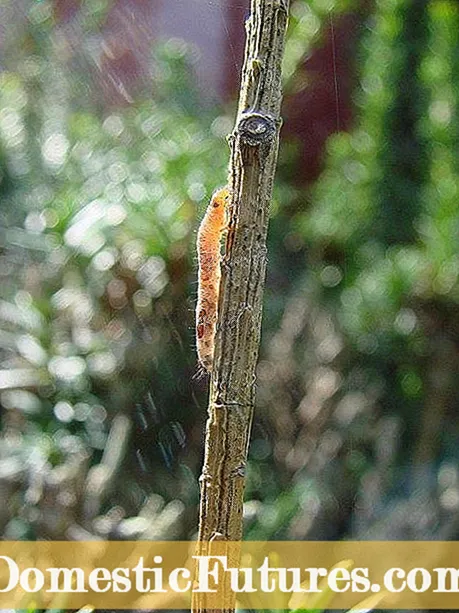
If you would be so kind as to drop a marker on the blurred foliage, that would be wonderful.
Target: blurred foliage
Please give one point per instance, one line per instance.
(98, 220)
(367, 370)
(385, 216)
(356, 432)
(307, 21)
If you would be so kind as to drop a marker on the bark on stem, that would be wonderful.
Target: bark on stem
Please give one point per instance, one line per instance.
(254, 145)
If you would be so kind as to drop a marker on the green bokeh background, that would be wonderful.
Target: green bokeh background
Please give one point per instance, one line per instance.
(356, 431)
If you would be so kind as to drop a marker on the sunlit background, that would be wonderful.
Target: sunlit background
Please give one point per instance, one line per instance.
(113, 118)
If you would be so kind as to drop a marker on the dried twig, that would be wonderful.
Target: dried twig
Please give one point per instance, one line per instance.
(254, 145)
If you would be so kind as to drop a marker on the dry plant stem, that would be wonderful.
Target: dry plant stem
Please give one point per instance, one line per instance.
(254, 145)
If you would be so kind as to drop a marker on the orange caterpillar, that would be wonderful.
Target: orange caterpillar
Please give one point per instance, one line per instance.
(210, 231)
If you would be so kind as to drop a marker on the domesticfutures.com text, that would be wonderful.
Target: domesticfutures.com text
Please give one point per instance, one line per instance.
(212, 571)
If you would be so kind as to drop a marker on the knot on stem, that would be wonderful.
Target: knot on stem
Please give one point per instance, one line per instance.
(256, 128)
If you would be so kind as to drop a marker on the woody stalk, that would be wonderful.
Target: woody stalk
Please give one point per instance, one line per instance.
(254, 146)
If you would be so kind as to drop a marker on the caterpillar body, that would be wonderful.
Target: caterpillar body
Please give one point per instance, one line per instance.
(210, 232)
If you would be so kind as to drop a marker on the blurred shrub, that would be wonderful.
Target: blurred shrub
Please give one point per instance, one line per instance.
(98, 217)
(357, 381)
(383, 213)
